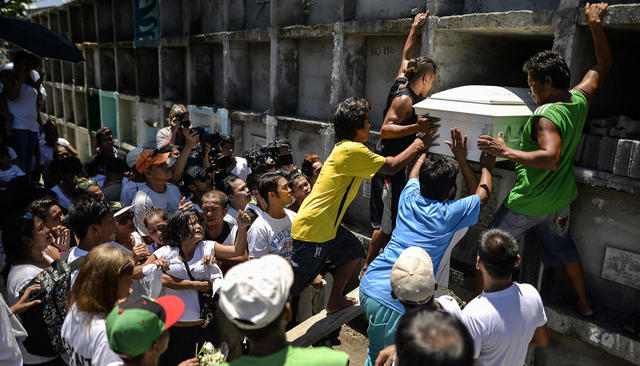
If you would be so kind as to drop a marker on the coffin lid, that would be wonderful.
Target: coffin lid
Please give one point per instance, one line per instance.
(480, 99)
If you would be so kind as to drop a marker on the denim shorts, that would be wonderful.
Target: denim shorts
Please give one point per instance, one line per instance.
(309, 258)
(557, 246)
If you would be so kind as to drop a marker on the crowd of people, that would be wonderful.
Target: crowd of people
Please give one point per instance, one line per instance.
(137, 259)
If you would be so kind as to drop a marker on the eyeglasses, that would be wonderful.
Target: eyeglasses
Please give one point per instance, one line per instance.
(84, 184)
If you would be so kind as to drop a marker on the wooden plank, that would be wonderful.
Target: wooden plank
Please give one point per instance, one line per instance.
(321, 324)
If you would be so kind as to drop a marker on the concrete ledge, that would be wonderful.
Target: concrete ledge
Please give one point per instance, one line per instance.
(321, 324)
(307, 31)
(307, 126)
(613, 341)
(521, 22)
(379, 27)
(597, 178)
(618, 15)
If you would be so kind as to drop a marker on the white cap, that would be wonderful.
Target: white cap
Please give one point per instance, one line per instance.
(132, 156)
(254, 293)
(412, 278)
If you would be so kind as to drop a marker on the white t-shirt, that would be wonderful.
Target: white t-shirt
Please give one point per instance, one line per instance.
(63, 199)
(502, 324)
(19, 276)
(241, 170)
(199, 271)
(129, 190)
(146, 198)
(85, 339)
(9, 174)
(75, 253)
(24, 108)
(10, 330)
(271, 236)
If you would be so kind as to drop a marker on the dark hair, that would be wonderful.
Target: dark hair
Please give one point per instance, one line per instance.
(15, 227)
(115, 166)
(155, 211)
(41, 207)
(226, 139)
(269, 183)
(549, 63)
(223, 198)
(437, 175)
(95, 165)
(350, 116)
(226, 184)
(87, 210)
(253, 180)
(436, 338)
(307, 164)
(417, 67)
(178, 227)
(295, 174)
(267, 330)
(4, 151)
(498, 251)
(24, 56)
(71, 166)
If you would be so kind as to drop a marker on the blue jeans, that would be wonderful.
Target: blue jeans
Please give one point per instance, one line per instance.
(383, 323)
(24, 143)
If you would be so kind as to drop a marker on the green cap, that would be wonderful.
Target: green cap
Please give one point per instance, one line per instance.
(134, 325)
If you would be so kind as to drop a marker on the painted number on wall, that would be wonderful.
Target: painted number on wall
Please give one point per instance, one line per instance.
(383, 50)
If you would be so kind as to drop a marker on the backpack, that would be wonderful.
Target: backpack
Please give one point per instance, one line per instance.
(43, 321)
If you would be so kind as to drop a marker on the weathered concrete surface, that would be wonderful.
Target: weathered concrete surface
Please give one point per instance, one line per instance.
(486, 6)
(383, 57)
(172, 63)
(259, 72)
(522, 22)
(382, 9)
(314, 85)
(237, 81)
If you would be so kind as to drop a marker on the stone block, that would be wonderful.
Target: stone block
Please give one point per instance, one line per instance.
(599, 131)
(607, 153)
(589, 156)
(632, 127)
(623, 156)
(634, 161)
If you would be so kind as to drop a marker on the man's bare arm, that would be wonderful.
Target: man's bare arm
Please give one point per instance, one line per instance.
(410, 44)
(540, 337)
(596, 76)
(548, 157)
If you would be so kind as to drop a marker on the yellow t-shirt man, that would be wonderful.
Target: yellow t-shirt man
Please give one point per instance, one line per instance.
(321, 212)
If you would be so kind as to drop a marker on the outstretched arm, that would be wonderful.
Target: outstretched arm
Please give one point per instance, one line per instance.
(458, 145)
(595, 77)
(410, 44)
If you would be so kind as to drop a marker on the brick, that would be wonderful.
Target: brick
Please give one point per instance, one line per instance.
(589, 156)
(607, 153)
(634, 162)
(623, 156)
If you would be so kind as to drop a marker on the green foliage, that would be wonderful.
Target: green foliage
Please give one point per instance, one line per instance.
(13, 8)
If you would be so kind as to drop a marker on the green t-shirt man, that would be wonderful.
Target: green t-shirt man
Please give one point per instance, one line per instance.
(294, 356)
(539, 192)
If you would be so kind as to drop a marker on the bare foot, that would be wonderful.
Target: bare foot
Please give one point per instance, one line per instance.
(344, 302)
(583, 307)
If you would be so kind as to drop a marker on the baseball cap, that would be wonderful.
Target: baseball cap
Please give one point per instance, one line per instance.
(412, 279)
(102, 131)
(132, 155)
(118, 208)
(150, 157)
(134, 325)
(255, 292)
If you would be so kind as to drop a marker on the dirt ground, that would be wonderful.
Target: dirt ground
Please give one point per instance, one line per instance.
(353, 341)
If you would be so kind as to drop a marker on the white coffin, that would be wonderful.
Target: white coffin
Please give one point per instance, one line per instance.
(479, 110)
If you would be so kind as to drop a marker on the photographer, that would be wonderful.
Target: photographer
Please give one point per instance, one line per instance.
(239, 166)
(176, 132)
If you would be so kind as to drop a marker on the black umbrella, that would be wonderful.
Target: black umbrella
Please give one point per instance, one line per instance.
(39, 40)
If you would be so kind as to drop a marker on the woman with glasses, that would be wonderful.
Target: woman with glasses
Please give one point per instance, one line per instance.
(192, 269)
(25, 239)
(126, 234)
(104, 279)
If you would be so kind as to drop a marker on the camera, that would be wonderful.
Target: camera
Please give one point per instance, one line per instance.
(275, 154)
